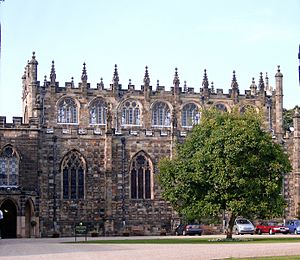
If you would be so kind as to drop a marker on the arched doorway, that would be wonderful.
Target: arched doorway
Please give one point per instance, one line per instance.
(9, 221)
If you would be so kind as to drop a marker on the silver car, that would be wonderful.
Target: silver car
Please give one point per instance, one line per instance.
(243, 226)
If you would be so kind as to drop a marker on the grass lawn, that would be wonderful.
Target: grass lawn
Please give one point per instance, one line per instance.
(195, 241)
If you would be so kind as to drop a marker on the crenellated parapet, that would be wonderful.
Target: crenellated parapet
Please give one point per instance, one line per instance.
(30, 76)
(44, 104)
(17, 123)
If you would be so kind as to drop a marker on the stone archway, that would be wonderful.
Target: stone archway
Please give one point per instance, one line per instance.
(30, 222)
(9, 221)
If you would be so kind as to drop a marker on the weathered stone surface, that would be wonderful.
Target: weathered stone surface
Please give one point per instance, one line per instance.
(107, 203)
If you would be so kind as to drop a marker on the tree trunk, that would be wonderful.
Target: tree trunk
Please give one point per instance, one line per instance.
(230, 226)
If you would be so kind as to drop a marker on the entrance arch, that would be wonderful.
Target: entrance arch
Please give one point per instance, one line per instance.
(9, 221)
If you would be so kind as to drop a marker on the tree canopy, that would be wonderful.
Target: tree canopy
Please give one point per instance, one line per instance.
(227, 163)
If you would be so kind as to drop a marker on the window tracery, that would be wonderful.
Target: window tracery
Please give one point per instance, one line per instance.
(190, 115)
(98, 112)
(130, 113)
(9, 167)
(161, 115)
(67, 111)
(141, 177)
(73, 176)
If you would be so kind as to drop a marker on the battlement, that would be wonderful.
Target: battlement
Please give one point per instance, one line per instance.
(70, 87)
(206, 88)
(17, 122)
(30, 77)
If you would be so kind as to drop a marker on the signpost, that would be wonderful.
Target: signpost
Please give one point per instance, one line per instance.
(80, 229)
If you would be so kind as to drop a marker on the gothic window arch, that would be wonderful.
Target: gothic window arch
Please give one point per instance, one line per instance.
(221, 107)
(190, 115)
(98, 112)
(130, 113)
(141, 177)
(161, 114)
(67, 111)
(9, 167)
(73, 169)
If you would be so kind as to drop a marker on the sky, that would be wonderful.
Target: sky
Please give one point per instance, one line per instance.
(220, 36)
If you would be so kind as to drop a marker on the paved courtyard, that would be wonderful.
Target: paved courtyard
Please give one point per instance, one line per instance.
(50, 248)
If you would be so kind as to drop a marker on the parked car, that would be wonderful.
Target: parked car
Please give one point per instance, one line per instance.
(294, 226)
(271, 228)
(243, 226)
(188, 229)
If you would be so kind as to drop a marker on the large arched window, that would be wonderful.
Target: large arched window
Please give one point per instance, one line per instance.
(141, 177)
(161, 115)
(67, 111)
(221, 107)
(98, 112)
(130, 113)
(190, 115)
(9, 167)
(73, 175)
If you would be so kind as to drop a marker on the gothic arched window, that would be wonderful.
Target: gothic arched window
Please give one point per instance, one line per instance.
(140, 177)
(67, 111)
(98, 112)
(161, 115)
(190, 115)
(130, 113)
(9, 167)
(221, 107)
(73, 175)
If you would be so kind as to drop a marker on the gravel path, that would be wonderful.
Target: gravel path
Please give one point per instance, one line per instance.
(33, 249)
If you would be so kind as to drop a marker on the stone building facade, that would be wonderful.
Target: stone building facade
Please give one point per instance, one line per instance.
(90, 154)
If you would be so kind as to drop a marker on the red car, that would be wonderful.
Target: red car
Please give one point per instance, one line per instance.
(271, 228)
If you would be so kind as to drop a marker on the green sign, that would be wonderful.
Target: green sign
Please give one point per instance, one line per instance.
(80, 229)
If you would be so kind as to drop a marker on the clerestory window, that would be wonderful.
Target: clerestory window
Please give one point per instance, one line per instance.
(98, 112)
(141, 177)
(73, 176)
(221, 107)
(67, 111)
(130, 113)
(190, 115)
(161, 115)
(9, 167)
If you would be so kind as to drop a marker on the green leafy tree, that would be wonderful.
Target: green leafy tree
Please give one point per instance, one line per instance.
(228, 163)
